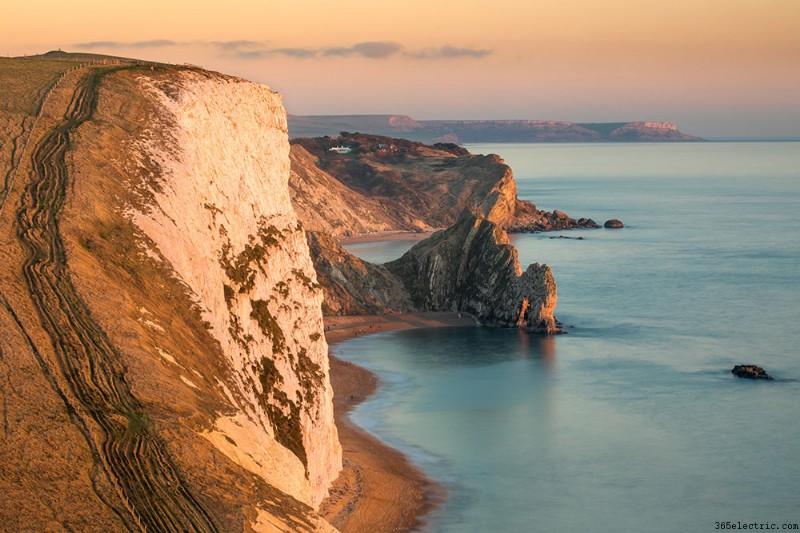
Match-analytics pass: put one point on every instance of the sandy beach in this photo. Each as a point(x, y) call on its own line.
point(379, 489)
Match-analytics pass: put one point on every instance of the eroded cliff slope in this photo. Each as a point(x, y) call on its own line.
point(162, 351)
point(352, 286)
point(223, 220)
point(381, 183)
point(470, 267)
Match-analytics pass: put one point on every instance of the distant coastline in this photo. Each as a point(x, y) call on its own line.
point(486, 131)
point(754, 140)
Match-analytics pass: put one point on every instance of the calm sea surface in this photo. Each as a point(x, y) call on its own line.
point(632, 421)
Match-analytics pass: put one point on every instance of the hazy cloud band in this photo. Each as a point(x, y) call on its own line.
point(245, 49)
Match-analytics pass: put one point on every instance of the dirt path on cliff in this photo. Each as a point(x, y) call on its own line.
point(132, 474)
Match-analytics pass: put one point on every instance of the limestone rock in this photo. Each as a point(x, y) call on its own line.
point(471, 267)
point(351, 286)
point(528, 219)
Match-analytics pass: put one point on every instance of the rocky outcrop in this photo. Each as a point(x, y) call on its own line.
point(386, 183)
point(528, 219)
point(354, 287)
point(471, 267)
point(613, 223)
point(750, 372)
point(417, 186)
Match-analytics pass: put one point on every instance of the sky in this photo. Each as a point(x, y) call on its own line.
point(716, 68)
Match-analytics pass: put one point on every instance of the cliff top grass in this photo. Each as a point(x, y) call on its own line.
point(23, 81)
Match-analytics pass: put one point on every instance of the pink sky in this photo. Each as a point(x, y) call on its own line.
point(716, 68)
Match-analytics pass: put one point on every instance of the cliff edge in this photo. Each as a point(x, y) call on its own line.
point(160, 319)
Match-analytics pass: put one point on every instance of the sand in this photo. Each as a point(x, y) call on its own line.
point(379, 489)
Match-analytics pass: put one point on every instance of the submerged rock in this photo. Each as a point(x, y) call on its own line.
point(750, 372)
point(613, 223)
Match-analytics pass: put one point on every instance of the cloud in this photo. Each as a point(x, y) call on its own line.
point(255, 50)
point(258, 53)
point(247, 49)
point(155, 43)
point(236, 45)
point(450, 52)
point(301, 53)
point(371, 49)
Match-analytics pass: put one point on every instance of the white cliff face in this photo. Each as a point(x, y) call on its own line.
point(222, 217)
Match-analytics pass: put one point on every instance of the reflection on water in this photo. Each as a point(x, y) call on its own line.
point(471, 346)
point(380, 251)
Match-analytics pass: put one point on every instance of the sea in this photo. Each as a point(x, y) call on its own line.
point(632, 421)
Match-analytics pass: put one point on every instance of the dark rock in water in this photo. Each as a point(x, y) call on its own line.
point(750, 372)
point(587, 223)
point(613, 224)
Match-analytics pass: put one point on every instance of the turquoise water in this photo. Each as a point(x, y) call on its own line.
point(632, 421)
point(380, 251)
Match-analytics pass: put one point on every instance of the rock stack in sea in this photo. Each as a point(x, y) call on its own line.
point(471, 267)
point(750, 372)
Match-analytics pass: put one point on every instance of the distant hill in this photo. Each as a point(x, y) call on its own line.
point(470, 131)
point(88, 57)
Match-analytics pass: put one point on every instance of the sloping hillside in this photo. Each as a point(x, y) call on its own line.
point(162, 359)
point(381, 183)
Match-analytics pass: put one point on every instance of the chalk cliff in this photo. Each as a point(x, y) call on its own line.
point(160, 317)
point(222, 218)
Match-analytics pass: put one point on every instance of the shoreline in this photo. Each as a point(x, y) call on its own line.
point(378, 489)
point(382, 236)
